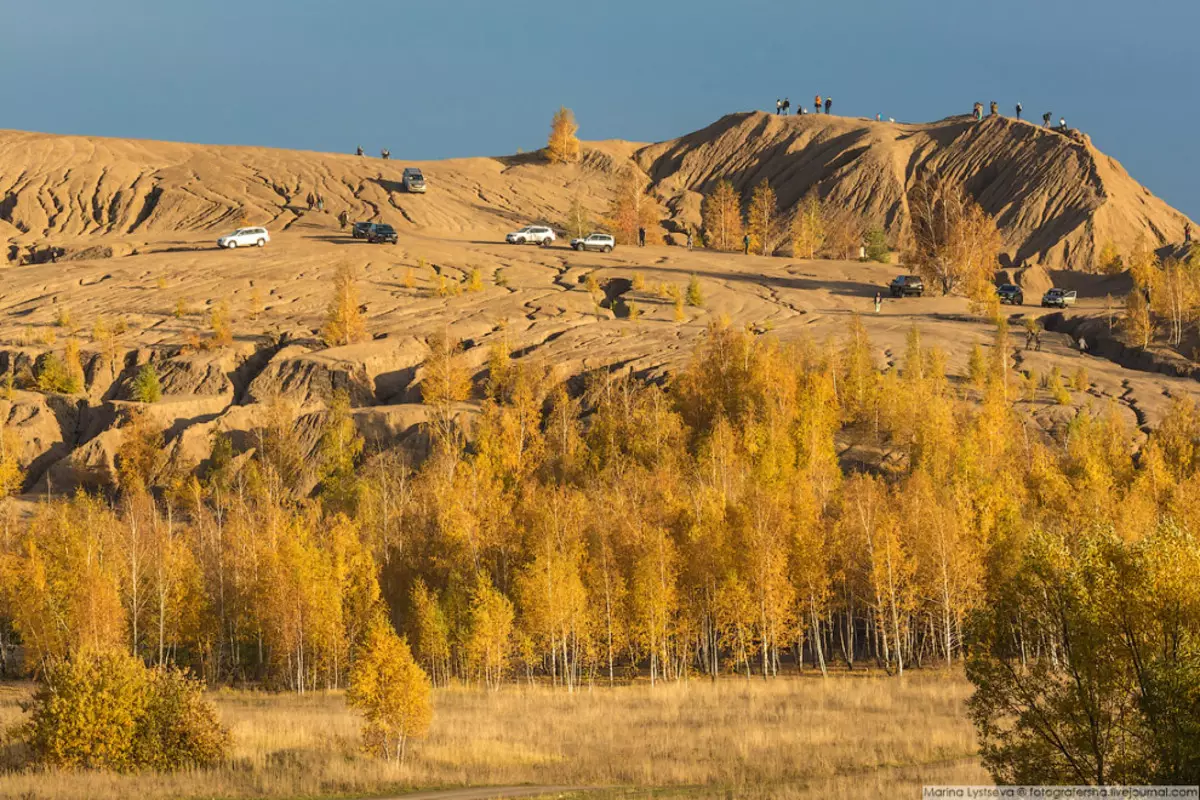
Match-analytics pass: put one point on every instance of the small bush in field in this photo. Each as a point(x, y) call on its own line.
point(109, 711)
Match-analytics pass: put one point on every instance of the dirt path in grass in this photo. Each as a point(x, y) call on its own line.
point(490, 792)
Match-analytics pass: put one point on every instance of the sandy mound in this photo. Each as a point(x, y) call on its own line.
point(1056, 198)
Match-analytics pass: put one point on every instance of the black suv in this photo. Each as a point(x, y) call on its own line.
point(907, 286)
point(382, 233)
point(361, 229)
point(1010, 294)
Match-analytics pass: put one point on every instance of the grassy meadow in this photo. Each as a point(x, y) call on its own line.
point(794, 737)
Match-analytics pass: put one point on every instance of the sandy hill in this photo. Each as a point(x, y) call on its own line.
point(68, 190)
point(1056, 198)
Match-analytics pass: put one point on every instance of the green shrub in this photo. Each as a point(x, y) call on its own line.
point(51, 375)
point(694, 296)
point(146, 388)
point(877, 246)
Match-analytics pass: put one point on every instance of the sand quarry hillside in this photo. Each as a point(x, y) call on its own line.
point(136, 222)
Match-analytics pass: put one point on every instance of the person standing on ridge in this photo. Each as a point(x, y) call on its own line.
point(828, 104)
point(817, 104)
point(1018, 111)
point(995, 109)
point(1046, 120)
point(359, 152)
point(1062, 124)
point(778, 106)
point(386, 154)
point(787, 106)
point(641, 237)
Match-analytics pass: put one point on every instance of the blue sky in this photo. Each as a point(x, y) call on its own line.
point(480, 77)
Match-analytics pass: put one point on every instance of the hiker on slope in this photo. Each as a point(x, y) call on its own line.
point(828, 104)
point(995, 110)
point(1046, 120)
point(787, 106)
point(1018, 112)
point(778, 106)
point(817, 104)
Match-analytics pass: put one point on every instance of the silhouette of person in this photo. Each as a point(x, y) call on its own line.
point(995, 109)
point(746, 244)
point(641, 237)
point(1018, 111)
point(828, 104)
point(778, 106)
point(787, 106)
point(1046, 120)
point(359, 152)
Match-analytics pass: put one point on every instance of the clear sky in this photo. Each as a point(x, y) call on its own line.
point(441, 78)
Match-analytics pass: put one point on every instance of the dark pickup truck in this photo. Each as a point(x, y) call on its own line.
point(379, 234)
point(907, 286)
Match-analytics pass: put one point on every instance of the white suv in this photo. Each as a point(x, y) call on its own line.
point(597, 241)
point(532, 234)
point(245, 237)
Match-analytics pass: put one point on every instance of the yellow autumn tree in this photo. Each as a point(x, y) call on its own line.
point(763, 219)
point(343, 320)
point(722, 215)
point(956, 245)
point(563, 144)
point(808, 227)
point(632, 208)
point(391, 691)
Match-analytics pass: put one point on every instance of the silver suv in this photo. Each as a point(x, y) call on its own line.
point(596, 241)
point(413, 180)
point(532, 234)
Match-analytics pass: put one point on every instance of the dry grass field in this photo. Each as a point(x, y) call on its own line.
point(796, 737)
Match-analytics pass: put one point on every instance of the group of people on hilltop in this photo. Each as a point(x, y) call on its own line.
point(385, 154)
point(784, 106)
point(994, 111)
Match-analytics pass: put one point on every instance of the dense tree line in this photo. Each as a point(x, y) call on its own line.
point(771, 508)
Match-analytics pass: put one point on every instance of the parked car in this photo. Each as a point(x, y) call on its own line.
point(907, 286)
point(1058, 298)
point(413, 180)
point(532, 234)
point(361, 229)
point(381, 234)
point(1008, 293)
point(602, 242)
point(245, 237)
